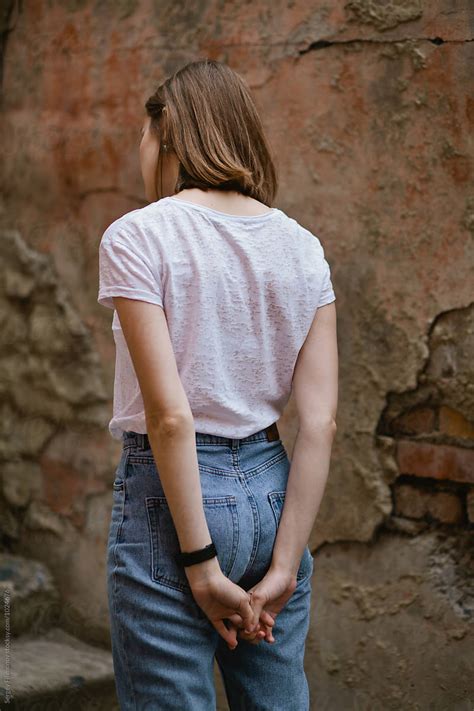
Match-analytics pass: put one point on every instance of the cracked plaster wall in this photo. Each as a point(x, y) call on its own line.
point(378, 101)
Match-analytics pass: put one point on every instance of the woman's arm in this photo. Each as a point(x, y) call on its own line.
point(315, 387)
point(170, 428)
point(170, 424)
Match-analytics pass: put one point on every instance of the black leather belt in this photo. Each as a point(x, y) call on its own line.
point(271, 431)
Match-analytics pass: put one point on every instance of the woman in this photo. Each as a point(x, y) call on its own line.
point(223, 306)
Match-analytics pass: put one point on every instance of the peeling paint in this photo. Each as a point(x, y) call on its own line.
point(386, 15)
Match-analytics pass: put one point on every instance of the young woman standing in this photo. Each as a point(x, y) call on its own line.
point(223, 307)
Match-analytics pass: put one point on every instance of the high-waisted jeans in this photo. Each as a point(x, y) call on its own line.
point(163, 645)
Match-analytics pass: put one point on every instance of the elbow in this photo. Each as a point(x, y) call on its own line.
point(318, 427)
point(169, 424)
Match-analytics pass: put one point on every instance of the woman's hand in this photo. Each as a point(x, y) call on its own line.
point(269, 597)
point(263, 630)
point(219, 598)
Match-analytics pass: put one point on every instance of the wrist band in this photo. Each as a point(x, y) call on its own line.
point(198, 556)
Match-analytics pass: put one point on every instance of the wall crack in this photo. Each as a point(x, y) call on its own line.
point(322, 44)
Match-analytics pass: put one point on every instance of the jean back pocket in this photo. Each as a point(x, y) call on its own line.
point(222, 520)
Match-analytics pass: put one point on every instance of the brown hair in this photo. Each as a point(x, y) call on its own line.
point(205, 114)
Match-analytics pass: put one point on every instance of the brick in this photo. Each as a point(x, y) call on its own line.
point(418, 421)
point(415, 502)
point(445, 506)
point(409, 501)
point(452, 422)
point(438, 461)
point(470, 505)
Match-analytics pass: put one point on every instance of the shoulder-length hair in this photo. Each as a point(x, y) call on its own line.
point(204, 112)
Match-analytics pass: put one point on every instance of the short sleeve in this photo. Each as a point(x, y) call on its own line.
point(124, 272)
point(319, 269)
point(327, 294)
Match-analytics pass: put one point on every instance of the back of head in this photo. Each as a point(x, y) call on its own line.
point(205, 114)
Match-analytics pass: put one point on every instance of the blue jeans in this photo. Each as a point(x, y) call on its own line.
point(163, 645)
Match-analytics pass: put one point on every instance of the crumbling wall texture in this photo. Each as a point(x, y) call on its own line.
point(369, 109)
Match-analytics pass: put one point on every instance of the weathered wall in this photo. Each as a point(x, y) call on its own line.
point(369, 107)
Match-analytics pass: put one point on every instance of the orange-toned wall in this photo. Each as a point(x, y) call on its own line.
point(369, 109)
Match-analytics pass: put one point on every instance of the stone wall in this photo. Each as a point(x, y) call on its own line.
point(369, 109)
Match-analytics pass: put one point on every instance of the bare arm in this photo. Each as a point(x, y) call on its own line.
point(170, 424)
point(170, 428)
point(315, 387)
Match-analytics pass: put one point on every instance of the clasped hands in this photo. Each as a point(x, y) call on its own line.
point(250, 615)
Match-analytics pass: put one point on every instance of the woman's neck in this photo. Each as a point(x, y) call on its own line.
point(225, 201)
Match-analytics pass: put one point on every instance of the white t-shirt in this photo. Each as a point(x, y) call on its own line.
point(239, 293)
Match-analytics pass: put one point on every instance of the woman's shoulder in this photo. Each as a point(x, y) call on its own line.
point(307, 239)
point(135, 223)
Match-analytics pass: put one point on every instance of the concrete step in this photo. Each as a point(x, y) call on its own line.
point(58, 672)
point(30, 601)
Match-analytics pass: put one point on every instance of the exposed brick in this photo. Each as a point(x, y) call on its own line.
point(453, 423)
point(418, 421)
point(409, 501)
point(470, 505)
point(438, 461)
point(414, 502)
point(445, 506)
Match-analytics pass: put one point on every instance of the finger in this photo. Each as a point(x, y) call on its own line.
point(249, 618)
point(235, 623)
point(269, 635)
point(258, 633)
point(253, 638)
point(256, 637)
point(228, 635)
point(236, 619)
point(240, 631)
point(256, 609)
point(267, 619)
point(248, 636)
point(233, 635)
